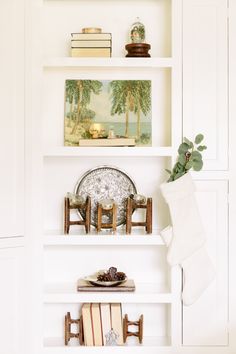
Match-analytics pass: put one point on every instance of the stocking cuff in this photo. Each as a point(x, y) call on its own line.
point(179, 188)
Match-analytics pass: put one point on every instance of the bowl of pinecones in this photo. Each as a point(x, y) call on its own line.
point(110, 277)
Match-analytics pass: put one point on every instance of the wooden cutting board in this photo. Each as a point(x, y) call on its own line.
point(126, 286)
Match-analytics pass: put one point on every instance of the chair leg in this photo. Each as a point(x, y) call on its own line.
point(99, 216)
point(149, 216)
point(66, 216)
point(128, 216)
point(114, 213)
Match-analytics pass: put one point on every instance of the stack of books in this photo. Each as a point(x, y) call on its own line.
point(102, 324)
point(91, 44)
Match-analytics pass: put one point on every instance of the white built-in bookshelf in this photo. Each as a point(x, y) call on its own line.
point(141, 256)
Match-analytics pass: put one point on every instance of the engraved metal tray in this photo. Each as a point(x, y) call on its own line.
point(106, 182)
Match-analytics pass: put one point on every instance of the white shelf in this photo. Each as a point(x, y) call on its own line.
point(56, 345)
point(138, 237)
point(144, 293)
point(12, 242)
point(69, 62)
point(69, 240)
point(67, 151)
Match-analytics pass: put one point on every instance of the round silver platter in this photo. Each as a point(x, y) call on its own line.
point(105, 182)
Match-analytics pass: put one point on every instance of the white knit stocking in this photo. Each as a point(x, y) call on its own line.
point(198, 270)
point(188, 234)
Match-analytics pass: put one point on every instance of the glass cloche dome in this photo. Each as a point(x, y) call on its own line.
point(137, 32)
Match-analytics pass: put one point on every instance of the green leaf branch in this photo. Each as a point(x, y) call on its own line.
point(189, 157)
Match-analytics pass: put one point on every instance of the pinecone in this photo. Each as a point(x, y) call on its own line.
point(112, 271)
point(120, 276)
point(104, 277)
point(111, 275)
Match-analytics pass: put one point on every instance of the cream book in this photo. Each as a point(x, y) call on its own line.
point(107, 142)
point(106, 320)
point(90, 52)
point(91, 36)
point(90, 44)
point(97, 325)
point(116, 322)
point(87, 325)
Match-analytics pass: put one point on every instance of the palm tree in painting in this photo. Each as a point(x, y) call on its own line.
point(86, 118)
point(142, 101)
point(122, 96)
point(83, 91)
point(70, 95)
point(131, 96)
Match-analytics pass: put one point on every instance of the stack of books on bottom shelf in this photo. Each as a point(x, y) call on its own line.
point(91, 44)
point(102, 324)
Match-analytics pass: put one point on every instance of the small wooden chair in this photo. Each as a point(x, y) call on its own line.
point(86, 207)
point(127, 333)
point(68, 334)
point(101, 212)
point(130, 207)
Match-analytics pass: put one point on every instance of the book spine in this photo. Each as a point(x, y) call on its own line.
point(103, 342)
point(116, 321)
point(91, 36)
point(90, 52)
point(105, 310)
point(90, 44)
point(91, 318)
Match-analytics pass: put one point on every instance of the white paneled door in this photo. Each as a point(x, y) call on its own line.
point(206, 321)
point(12, 303)
point(12, 118)
point(12, 299)
point(205, 77)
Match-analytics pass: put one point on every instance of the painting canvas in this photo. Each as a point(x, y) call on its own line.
point(107, 111)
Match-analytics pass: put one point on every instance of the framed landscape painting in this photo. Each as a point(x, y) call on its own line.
point(107, 113)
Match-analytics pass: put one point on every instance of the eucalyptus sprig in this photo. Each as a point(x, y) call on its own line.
point(189, 157)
